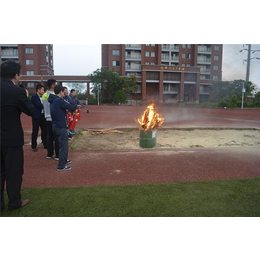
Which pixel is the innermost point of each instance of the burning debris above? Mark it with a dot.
(107, 131)
(150, 120)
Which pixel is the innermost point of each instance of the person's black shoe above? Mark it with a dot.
(34, 149)
(66, 168)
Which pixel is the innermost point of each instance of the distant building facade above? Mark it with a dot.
(37, 64)
(167, 72)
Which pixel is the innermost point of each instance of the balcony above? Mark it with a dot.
(133, 46)
(204, 60)
(204, 90)
(9, 53)
(204, 49)
(165, 57)
(205, 71)
(133, 56)
(175, 58)
(133, 67)
(170, 89)
(170, 47)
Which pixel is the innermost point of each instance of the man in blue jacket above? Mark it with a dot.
(58, 107)
(38, 119)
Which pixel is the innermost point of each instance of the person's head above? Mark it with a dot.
(40, 90)
(11, 70)
(66, 91)
(51, 83)
(59, 91)
(73, 92)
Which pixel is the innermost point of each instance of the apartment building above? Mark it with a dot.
(167, 72)
(35, 59)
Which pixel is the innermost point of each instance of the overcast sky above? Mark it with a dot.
(83, 59)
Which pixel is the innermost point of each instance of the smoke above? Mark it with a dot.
(234, 62)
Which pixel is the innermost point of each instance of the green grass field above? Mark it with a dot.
(221, 198)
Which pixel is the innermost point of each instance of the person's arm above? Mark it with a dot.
(66, 105)
(25, 104)
(37, 102)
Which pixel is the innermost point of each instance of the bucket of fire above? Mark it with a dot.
(147, 138)
(148, 124)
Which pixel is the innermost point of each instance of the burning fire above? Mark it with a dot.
(150, 120)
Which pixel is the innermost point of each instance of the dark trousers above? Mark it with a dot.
(62, 134)
(12, 160)
(52, 138)
(36, 123)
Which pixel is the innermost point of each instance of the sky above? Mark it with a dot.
(83, 59)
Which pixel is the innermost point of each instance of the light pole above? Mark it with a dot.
(247, 69)
(243, 91)
(248, 59)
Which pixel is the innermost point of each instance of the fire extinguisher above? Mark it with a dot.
(69, 117)
(74, 121)
(79, 114)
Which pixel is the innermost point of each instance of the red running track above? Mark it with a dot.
(148, 165)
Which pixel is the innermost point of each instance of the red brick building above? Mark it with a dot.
(167, 72)
(37, 64)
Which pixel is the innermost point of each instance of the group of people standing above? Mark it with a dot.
(48, 116)
(48, 109)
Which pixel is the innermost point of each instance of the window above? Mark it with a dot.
(115, 52)
(215, 67)
(29, 62)
(171, 76)
(147, 54)
(115, 63)
(183, 46)
(215, 77)
(29, 50)
(29, 72)
(183, 55)
(30, 84)
(147, 44)
(153, 45)
(189, 46)
(152, 75)
(216, 48)
(152, 54)
(190, 77)
(188, 55)
(216, 57)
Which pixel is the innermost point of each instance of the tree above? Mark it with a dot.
(79, 87)
(109, 83)
(106, 80)
(120, 96)
(256, 100)
(223, 90)
(129, 84)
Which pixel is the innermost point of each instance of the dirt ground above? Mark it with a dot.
(168, 138)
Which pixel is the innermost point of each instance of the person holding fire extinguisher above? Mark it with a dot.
(58, 107)
(73, 118)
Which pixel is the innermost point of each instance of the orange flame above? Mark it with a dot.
(150, 120)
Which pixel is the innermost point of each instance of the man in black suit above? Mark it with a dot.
(38, 119)
(13, 102)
